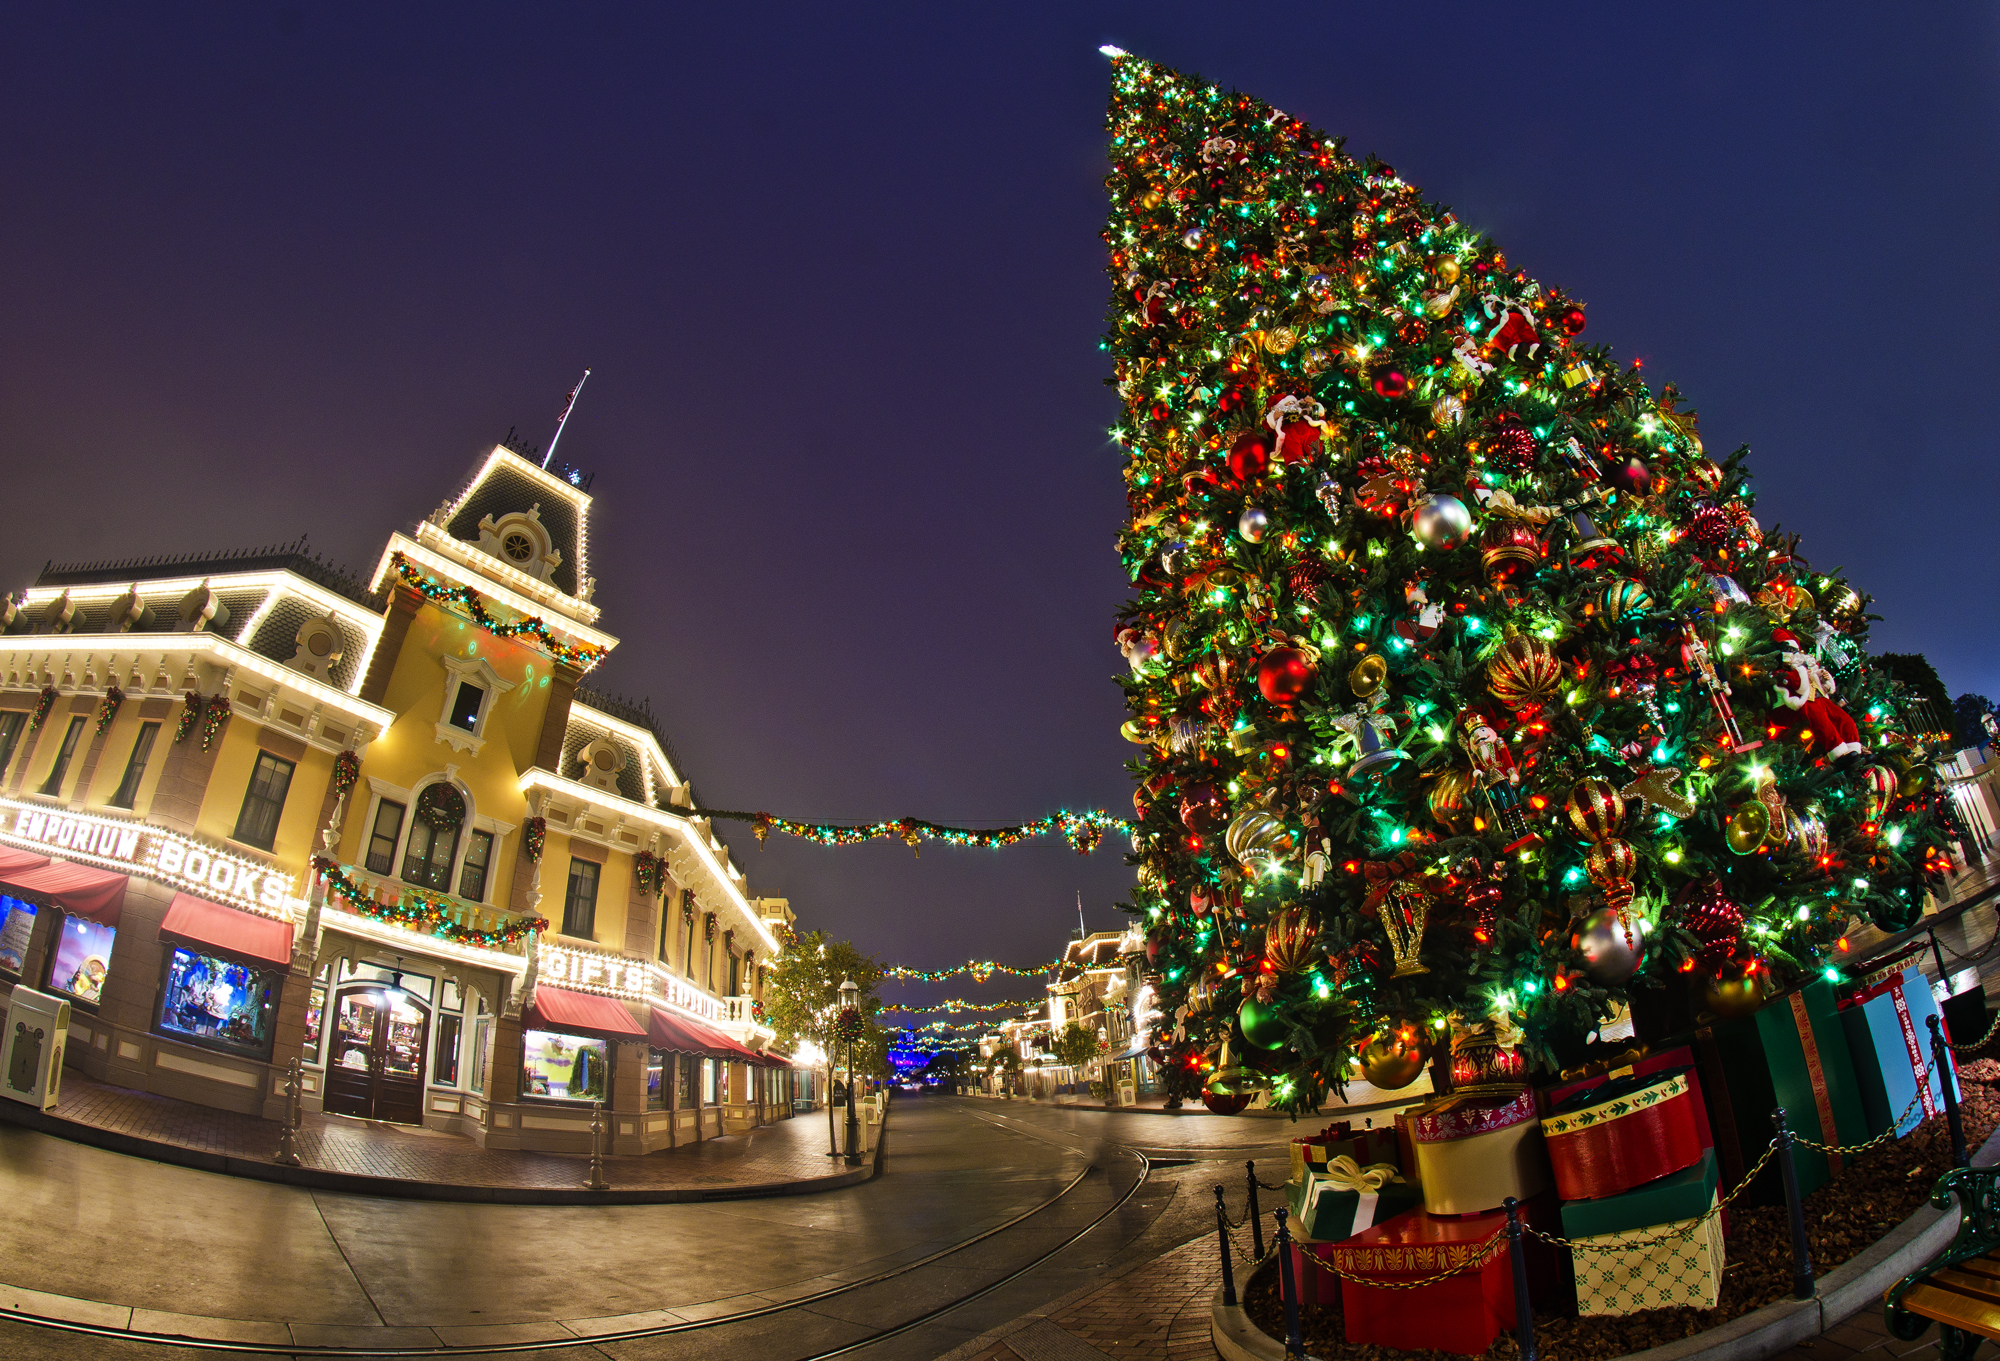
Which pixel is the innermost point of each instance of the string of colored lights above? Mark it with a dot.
(419, 912)
(583, 656)
(954, 1004)
(1084, 831)
(977, 970)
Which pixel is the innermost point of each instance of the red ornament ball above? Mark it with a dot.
(1713, 919)
(1391, 383)
(1511, 448)
(1249, 457)
(1232, 1103)
(1631, 474)
(1710, 527)
(1572, 321)
(1284, 674)
(1203, 810)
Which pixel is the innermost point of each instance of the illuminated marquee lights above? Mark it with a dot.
(153, 853)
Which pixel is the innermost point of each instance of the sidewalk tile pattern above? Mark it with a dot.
(789, 1150)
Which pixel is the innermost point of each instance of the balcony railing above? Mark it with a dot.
(415, 901)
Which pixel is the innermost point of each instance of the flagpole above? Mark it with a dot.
(1080, 931)
(563, 419)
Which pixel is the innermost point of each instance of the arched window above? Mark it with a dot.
(433, 843)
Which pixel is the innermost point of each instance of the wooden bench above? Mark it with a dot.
(1960, 1291)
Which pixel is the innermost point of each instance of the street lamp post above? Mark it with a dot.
(850, 1000)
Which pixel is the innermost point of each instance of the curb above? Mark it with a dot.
(1839, 1295)
(353, 1183)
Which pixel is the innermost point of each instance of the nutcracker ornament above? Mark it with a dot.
(1498, 777)
(1806, 686)
(1701, 665)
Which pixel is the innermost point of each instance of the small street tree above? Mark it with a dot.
(802, 1003)
(1075, 1046)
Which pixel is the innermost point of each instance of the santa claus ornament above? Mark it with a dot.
(1806, 686)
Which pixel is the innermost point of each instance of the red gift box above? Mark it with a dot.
(1664, 1061)
(1622, 1134)
(1317, 1283)
(1465, 1311)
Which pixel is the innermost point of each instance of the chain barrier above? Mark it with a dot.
(1979, 1043)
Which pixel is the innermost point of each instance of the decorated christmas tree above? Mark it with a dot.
(1474, 702)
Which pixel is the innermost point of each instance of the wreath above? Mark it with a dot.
(190, 715)
(708, 928)
(346, 772)
(849, 1027)
(212, 721)
(649, 871)
(43, 705)
(441, 806)
(687, 906)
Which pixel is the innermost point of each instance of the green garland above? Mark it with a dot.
(420, 912)
(1084, 831)
(107, 708)
(346, 772)
(534, 837)
(582, 656)
(213, 720)
(46, 702)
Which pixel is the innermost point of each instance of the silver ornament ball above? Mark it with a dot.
(1441, 522)
(1253, 523)
(1192, 238)
(1612, 950)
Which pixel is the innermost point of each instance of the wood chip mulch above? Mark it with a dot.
(1876, 1192)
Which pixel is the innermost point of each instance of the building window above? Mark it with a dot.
(82, 958)
(684, 1082)
(472, 878)
(656, 1087)
(135, 766)
(382, 836)
(666, 925)
(580, 901)
(53, 785)
(482, 1035)
(427, 859)
(218, 1003)
(710, 1075)
(17, 928)
(735, 974)
(444, 1064)
(465, 706)
(10, 737)
(263, 801)
(564, 1067)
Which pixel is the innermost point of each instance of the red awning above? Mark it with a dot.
(581, 1013)
(76, 889)
(680, 1034)
(226, 929)
(12, 861)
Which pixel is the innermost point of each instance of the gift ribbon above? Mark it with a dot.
(1917, 1066)
(1817, 1072)
(1615, 1108)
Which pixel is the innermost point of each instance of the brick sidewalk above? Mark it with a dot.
(1154, 1311)
(790, 1150)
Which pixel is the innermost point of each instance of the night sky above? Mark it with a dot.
(274, 270)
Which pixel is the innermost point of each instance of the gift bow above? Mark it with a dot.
(1348, 1175)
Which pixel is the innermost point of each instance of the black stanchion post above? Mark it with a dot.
(1256, 1215)
(1524, 1307)
(1288, 1290)
(1802, 1272)
(1944, 975)
(1941, 1060)
(1222, 1232)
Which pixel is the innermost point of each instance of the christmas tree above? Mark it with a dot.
(1474, 700)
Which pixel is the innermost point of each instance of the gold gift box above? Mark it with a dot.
(1476, 1149)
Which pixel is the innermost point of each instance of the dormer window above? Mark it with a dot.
(467, 706)
(522, 541)
(470, 688)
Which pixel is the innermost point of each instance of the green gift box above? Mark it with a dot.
(1653, 1247)
(1792, 1053)
(1336, 1204)
(1682, 1195)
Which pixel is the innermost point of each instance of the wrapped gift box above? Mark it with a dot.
(1792, 1052)
(1345, 1198)
(1364, 1146)
(1648, 1274)
(1888, 1035)
(1623, 1133)
(1635, 1065)
(1474, 1149)
(1462, 1313)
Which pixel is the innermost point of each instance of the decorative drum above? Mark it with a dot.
(1476, 1149)
(1623, 1133)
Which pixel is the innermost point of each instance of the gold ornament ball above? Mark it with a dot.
(1748, 826)
(1524, 671)
(1729, 998)
(1132, 730)
(1154, 198)
(1451, 796)
(1280, 339)
(1447, 271)
(1258, 839)
(1393, 1057)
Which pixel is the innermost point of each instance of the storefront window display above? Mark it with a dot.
(17, 924)
(83, 957)
(684, 1082)
(444, 1068)
(315, 1008)
(564, 1067)
(656, 1087)
(218, 1003)
(710, 1071)
(482, 1034)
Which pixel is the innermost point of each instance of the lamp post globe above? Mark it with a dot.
(850, 1000)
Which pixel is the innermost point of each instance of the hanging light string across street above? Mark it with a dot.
(1084, 831)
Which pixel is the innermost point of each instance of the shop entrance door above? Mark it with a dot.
(375, 1067)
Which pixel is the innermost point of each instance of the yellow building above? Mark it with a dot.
(253, 811)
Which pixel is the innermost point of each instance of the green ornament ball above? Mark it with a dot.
(1261, 1024)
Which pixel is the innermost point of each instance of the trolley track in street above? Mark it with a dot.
(1118, 1201)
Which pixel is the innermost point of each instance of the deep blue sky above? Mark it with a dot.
(274, 269)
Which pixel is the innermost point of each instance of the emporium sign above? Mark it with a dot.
(152, 853)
